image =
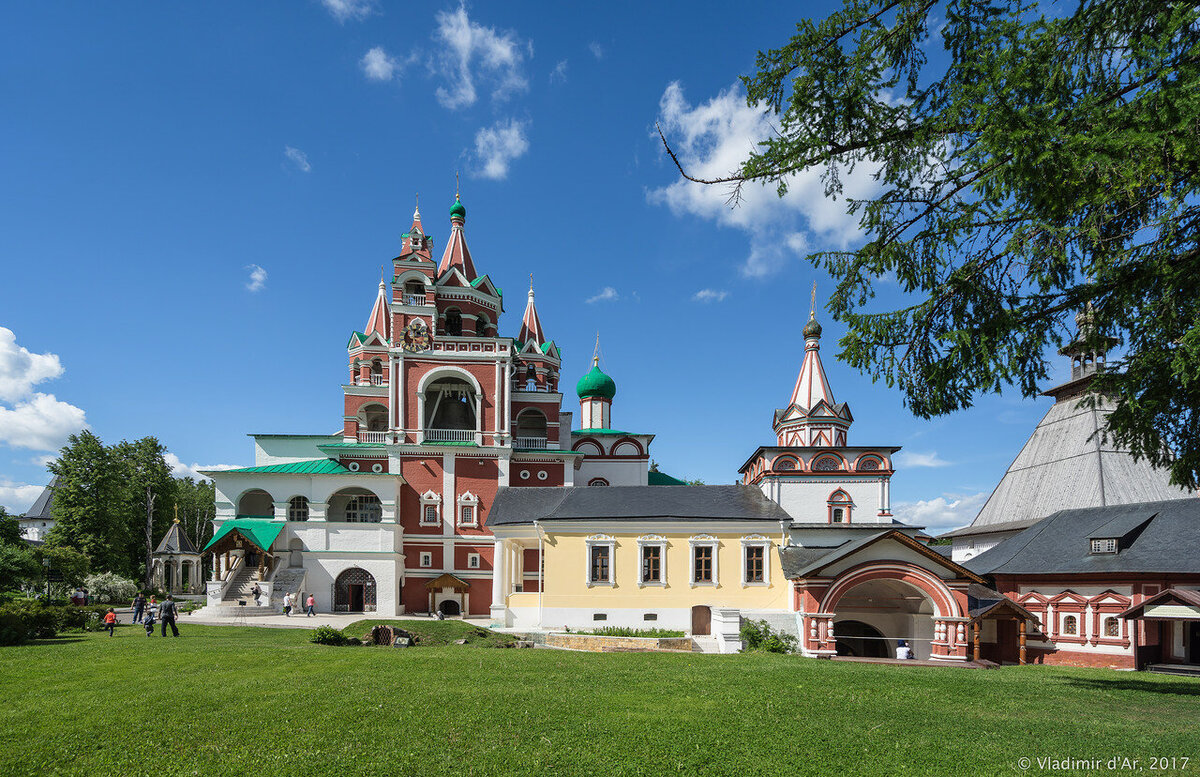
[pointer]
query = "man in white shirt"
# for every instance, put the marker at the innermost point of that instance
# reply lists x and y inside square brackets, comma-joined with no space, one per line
[903,651]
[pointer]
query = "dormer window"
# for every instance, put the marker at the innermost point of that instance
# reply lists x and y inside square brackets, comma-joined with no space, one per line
[1105,545]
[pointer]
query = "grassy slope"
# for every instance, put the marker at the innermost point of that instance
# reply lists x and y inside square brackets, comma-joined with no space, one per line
[260,701]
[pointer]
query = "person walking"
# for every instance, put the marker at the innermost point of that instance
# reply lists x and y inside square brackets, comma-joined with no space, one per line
[256,592]
[167,612]
[311,604]
[139,606]
[110,620]
[151,614]
[287,604]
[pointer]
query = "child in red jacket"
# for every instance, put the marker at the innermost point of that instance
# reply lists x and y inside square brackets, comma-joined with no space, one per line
[110,620]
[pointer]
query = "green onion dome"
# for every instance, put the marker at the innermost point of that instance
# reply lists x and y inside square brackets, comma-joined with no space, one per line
[457,210]
[812,328]
[596,384]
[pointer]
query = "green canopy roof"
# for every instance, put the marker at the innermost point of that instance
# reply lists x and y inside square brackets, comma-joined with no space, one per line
[309,467]
[662,479]
[261,533]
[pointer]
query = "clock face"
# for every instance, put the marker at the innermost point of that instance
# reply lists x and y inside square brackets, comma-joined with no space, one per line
[416,336]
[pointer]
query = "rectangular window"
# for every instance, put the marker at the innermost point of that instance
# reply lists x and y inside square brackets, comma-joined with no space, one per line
[426,559]
[755,564]
[702,564]
[468,515]
[651,563]
[600,564]
[429,516]
[650,616]
[838,515]
[599,616]
[1104,546]
[473,561]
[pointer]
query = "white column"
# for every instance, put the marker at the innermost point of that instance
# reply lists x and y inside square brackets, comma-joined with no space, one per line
[498,573]
[507,396]
[887,495]
[496,410]
[281,510]
[317,511]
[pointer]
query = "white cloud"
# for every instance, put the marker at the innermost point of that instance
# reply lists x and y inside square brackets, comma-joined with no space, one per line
[596,49]
[712,139]
[18,497]
[709,295]
[607,294]
[298,158]
[499,145]
[43,460]
[378,66]
[473,51]
[21,370]
[258,277]
[349,9]
[41,423]
[559,74]
[946,512]
[181,470]
[917,459]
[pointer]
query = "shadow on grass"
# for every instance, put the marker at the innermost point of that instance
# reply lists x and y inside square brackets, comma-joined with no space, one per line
[66,640]
[1174,688]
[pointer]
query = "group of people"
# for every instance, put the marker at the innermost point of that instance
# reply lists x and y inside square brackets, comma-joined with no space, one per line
[146,612]
[310,605]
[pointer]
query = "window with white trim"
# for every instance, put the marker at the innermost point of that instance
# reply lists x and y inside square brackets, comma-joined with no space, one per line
[1070,625]
[1112,627]
[600,560]
[756,560]
[431,504]
[364,508]
[1106,545]
[472,561]
[704,560]
[298,508]
[652,562]
[468,509]
[426,559]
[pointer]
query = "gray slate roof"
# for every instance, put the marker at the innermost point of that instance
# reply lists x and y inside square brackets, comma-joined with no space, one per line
[1169,541]
[175,541]
[795,559]
[40,510]
[515,506]
[1065,465]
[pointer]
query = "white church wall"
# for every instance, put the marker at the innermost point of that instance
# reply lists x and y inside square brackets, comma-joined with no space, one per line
[808,501]
[617,473]
[284,450]
[322,571]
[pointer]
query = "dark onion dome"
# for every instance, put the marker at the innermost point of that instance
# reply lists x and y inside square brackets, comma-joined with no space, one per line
[457,210]
[596,384]
[812,328]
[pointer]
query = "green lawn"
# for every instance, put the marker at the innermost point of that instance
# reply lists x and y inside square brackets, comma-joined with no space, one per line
[224,700]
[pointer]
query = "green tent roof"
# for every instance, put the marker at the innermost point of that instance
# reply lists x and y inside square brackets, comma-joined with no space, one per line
[662,479]
[310,467]
[261,533]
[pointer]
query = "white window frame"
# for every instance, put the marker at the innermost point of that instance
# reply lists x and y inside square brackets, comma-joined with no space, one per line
[1104,545]
[652,540]
[703,540]
[468,500]
[431,499]
[426,559]
[474,561]
[757,541]
[600,540]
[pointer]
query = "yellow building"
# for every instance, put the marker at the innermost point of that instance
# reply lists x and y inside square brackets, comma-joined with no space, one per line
[670,557]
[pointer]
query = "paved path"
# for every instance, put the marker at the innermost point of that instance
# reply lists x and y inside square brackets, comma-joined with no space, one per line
[336,620]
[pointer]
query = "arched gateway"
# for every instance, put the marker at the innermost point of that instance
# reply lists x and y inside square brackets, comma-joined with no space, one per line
[354,591]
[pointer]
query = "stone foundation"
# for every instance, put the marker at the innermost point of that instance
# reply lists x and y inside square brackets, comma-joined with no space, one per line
[1079,658]
[600,644]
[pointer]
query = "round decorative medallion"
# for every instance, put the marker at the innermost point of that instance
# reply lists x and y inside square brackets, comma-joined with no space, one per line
[352,466]
[416,336]
[377,468]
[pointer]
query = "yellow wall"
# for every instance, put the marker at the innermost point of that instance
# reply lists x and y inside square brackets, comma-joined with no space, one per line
[566,568]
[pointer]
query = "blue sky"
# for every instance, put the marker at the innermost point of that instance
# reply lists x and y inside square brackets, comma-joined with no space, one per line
[197,200]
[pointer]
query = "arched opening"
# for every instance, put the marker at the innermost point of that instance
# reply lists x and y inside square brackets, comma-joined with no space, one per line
[376,372]
[355,505]
[449,607]
[373,418]
[893,608]
[298,508]
[597,482]
[450,410]
[454,322]
[414,293]
[530,377]
[531,429]
[481,325]
[354,591]
[839,507]
[855,638]
[256,503]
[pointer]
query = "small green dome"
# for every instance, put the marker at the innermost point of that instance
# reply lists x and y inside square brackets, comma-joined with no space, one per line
[457,210]
[812,328]
[596,384]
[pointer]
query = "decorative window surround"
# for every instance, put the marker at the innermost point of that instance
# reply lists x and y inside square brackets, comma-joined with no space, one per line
[652,541]
[757,541]
[468,509]
[434,500]
[473,561]
[599,541]
[426,559]
[703,541]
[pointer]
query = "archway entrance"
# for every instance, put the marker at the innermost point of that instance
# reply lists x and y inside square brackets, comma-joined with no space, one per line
[862,640]
[449,608]
[874,615]
[354,591]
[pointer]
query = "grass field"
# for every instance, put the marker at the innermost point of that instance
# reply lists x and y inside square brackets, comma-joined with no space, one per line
[224,700]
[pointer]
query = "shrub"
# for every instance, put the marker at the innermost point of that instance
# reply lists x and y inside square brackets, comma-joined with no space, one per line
[626,631]
[110,588]
[328,635]
[759,636]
